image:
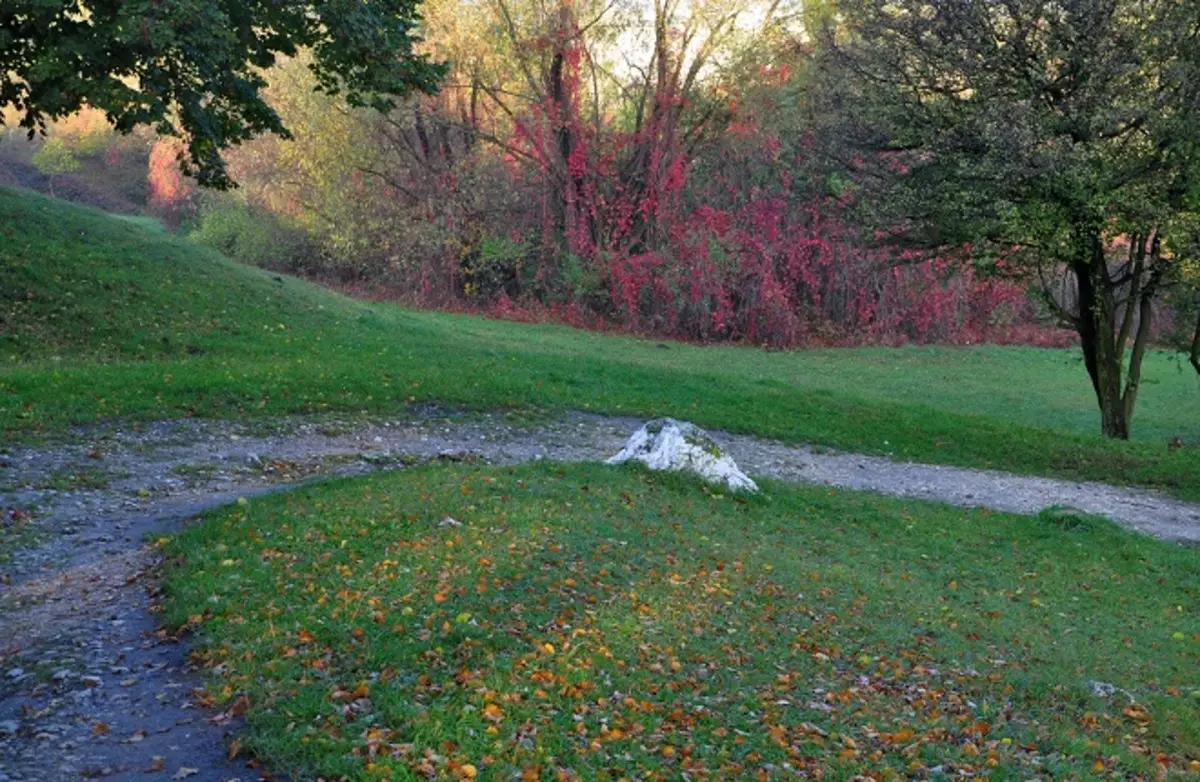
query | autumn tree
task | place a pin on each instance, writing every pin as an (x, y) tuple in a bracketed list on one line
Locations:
[(1052, 138), (194, 68), (598, 160)]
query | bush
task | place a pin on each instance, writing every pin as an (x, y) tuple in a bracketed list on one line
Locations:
[(498, 267), (256, 237)]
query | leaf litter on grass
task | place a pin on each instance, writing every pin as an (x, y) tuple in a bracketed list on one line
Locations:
[(586, 622)]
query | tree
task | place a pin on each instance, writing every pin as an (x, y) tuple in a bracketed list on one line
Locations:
[(54, 159), (194, 67), (1184, 298), (1055, 138)]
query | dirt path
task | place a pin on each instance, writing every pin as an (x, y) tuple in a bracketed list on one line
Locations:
[(90, 687)]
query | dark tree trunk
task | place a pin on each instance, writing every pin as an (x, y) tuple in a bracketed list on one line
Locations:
[(570, 188), (563, 144), (1194, 353), (1106, 324), (1097, 328)]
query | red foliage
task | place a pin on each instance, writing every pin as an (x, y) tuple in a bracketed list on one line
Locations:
[(170, 190), (721, 242)]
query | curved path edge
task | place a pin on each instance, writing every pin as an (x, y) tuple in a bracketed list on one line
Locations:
[(89, 685)]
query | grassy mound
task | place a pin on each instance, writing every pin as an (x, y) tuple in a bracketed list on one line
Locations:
[(105, 317), (592, 622), (80, 284)]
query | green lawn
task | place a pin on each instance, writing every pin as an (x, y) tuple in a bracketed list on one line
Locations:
[(106, 318), (590, 622)]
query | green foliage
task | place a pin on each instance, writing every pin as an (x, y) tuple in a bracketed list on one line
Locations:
[(55, 158), (102, 318), (585, 282), (498, 265), (256, 237), (620, 623), (194, 67), (1025, 127), (358, 183), (1015, 126)]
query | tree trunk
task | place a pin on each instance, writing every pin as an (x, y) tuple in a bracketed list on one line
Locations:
[(1194, 353), (1098, 337)]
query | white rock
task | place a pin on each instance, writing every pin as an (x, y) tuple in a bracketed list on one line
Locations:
[(1105, 690), (667, 444)]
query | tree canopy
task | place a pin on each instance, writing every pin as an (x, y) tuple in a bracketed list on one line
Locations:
[(194, 67), (1055, 137)]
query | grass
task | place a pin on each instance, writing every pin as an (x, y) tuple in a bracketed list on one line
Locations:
[(103, 318), (592, 622)]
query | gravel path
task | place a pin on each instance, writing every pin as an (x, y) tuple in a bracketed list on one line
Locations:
[(90, 686)]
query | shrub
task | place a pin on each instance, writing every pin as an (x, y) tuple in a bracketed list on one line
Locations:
[(255, 236)]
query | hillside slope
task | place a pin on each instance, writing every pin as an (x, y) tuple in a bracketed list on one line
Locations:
[(78, 282), (105, 317)]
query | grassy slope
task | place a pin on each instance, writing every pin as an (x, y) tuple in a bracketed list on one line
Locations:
[(105, 317), (618, 623)]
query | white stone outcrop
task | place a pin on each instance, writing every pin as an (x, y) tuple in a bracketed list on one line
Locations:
[(667, 444)]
